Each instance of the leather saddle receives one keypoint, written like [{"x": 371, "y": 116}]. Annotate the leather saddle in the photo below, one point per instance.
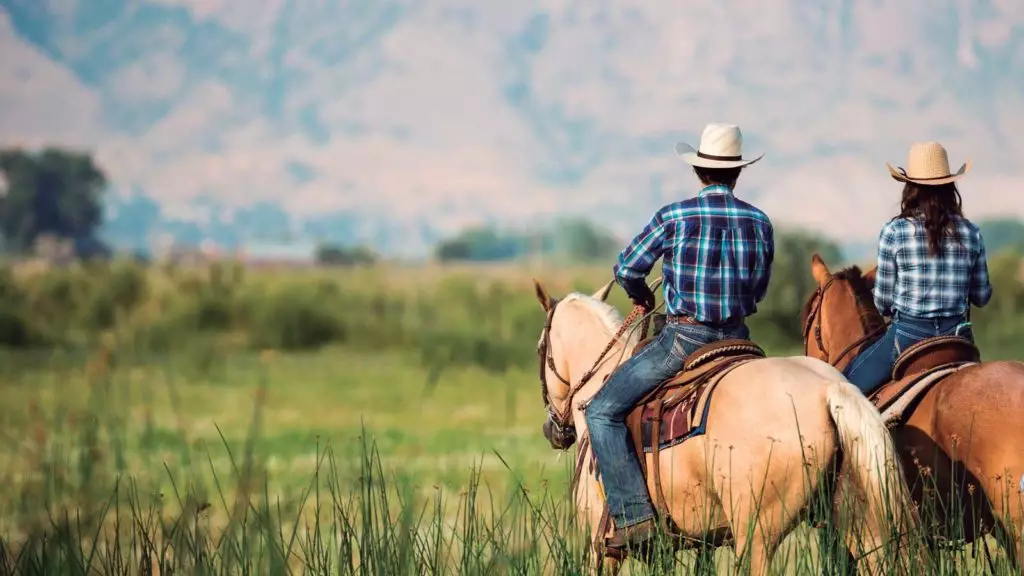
[{"x": 918, "y": 362}]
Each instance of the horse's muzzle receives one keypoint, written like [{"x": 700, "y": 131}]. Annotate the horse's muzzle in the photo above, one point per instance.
[{"x": 560, "y": 437}]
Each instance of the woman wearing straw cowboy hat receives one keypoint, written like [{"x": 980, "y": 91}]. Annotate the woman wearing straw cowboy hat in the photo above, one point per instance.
[
  {"x": 717, "y": 253},
  {"x": 931, "y": 265}
]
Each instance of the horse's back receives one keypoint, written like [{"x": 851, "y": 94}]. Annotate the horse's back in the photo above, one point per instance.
[
  {"x": 759, "y": 401},
  {"x": 986, "y": 398},
  {"x": 777, "y": 372},
  {"x": 773, "y": 398}
]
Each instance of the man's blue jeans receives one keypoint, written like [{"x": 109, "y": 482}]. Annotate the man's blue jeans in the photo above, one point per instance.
[
  {"x": 873, "y": 367},
  {"x": 625, "y": 490}
]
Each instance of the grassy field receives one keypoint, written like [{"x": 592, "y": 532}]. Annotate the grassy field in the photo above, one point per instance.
[
  {"x": 302, "y": 439},
  {"x": 380, "y": 449}
]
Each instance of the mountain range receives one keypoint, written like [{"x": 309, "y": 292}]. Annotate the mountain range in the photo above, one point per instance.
[{"x": 396, "y": 122}]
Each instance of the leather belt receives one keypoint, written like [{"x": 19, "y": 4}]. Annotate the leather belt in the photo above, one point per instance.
[
  {"x": 683, "y": 319},
  {"x": 674, "y": 319}
]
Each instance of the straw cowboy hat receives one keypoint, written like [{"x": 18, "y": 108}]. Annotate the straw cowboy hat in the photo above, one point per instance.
[
  {"x": 928, "y": 163},
  {"x": 721, "y": 146}
]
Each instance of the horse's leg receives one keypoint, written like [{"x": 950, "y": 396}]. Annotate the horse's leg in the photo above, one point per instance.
[
  {"x": 1008, "y": 514},
  {"x": 978, "y": 418},
  {"x": 606, "y": 566},
  {"x": 849, "y": 520},
  {"x": 755, "y": 545},
  {"x": 590, "y": 512},
  {"x": 705, "y": 563},
  {"x": 1010, "y": 543},
  {"x": 779, "y": 441},
  {"x": 760, "y": 526}
]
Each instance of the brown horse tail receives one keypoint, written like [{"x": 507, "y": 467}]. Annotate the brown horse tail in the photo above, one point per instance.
[{"x": 871, "y": 461}]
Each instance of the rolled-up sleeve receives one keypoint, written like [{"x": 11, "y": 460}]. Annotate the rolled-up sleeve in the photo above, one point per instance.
[
  {"x": 637, "y": 259},
  {"x": 885, "y": 276},
  {"x": 981, "y": 287}
]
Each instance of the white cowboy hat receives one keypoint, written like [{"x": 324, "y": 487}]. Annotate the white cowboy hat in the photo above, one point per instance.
[
  {"x": 928, "y": 163},
  {"x": 721, "y": 146}
]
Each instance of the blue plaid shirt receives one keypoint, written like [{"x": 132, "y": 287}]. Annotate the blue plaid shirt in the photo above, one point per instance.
[
  {"x": 914, "y": 283},
  {"x": 716, "y": 251}
]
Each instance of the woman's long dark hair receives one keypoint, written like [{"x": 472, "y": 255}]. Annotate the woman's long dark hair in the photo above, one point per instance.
[{"x": 937, "y": 206}]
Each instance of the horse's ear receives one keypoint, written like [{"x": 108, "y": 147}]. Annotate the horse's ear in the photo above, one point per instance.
[
  {"x": 819, "y": 270},
  {"x": 542, "y": 295},
  {"x": 602, "y": 294},
  {"x": 869, "y": 277}
]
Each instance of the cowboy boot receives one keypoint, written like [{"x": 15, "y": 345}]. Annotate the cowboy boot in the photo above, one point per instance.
[{"x": 633, "y": 536}]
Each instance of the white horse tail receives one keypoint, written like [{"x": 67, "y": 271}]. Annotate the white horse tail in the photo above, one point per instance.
[{"x": 869, "y": 456}]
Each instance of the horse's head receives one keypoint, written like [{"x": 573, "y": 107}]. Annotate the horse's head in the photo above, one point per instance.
[
  {"x": 840, "y": 315},
  {"x": 557, "y": 371}
]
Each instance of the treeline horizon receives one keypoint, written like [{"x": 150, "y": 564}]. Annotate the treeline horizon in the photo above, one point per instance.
[{"x": 55, "y": 197}]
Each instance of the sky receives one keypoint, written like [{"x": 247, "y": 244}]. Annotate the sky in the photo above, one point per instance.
[{"x": 401, "y": 121}]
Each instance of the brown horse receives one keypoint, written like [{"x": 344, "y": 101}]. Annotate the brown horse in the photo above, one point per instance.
[
  {"x": 960, "y": 433},
  {"x": 776, "y": 432}
]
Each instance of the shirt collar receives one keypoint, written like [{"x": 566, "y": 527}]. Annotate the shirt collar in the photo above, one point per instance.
[{"x": 716, "y": 189}]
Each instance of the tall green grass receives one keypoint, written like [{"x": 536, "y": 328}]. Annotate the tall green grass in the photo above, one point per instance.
[
  {"x": 382, "y": 526},
  {"x": 83, "y": 510}
]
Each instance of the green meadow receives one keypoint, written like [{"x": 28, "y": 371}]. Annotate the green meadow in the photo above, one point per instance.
[{"x": 375, "y": 420}]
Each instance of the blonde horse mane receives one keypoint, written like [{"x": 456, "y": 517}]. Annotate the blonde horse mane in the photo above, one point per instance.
[{"x": 609, "y": 316}]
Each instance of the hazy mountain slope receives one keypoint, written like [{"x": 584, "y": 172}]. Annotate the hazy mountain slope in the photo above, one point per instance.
[{"x": 397, "y": 121}]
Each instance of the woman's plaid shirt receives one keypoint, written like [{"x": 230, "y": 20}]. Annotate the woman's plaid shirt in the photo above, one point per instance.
[
  {"x": 914, "y": 283},
  {"x": 717, "y": 255}
]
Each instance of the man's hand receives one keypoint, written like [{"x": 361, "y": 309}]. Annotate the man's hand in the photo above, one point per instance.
[
  {"x": 646, "y": 300},
  {"x": 640, "y": 294}
]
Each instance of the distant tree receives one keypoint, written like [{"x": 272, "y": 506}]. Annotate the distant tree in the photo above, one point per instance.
[
  {"x": 481, "y": 244},
  {"x": 582, "y": 241},
  {"x": 329, "y": 255},
  {"x": 575, "y": 239},
  {"x": 453, "y": 249},
  {"x": 791, "y": 280},
  {"x": 55, "y": 192}
]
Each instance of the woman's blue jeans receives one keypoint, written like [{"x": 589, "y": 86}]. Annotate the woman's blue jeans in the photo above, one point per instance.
[{"x": 873, "y": 367}]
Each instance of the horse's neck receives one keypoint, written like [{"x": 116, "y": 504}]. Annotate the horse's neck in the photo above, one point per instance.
[
  {"x": 582, "y": 359},
  {"x": 610, "y": 362},
  {"x": 854, "y": 333}
]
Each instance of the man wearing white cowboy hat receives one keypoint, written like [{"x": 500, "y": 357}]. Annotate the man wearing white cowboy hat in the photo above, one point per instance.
[
  {"x": 931, "y": 265},
  {"x": 717, "y": 253}
]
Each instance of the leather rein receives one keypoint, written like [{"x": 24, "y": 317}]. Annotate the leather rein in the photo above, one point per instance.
[
  {"x": 563, "y": 418},
  {"x": 819, "y": 296}
]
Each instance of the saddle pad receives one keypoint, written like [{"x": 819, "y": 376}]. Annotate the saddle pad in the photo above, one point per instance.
[
  {"x": 898, "y": 403},
  {"x": 685, "y": 417}
]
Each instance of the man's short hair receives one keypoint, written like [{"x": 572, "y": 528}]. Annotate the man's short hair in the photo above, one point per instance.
[{"x": 722, "y": 176}]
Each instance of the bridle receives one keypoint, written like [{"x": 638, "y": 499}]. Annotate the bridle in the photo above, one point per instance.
[
  {"x": 562, "y": 419},
  {"x": 819, "y": 296}
]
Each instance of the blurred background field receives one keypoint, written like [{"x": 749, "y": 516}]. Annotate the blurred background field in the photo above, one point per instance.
[{"x": 202, "y": 381}]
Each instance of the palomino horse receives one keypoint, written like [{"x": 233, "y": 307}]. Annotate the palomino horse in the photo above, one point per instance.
[
  {"x": 959, "y": 425},
  {"x": 779, "y": 432}
]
